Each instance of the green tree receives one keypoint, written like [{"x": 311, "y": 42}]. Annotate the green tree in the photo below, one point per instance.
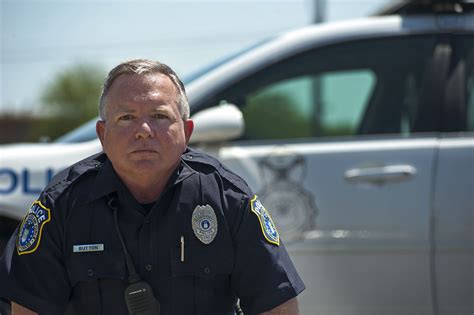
[
  {"x": 75, "y": 92},
  {"x": 272, "y": 116},
  {"x": 71, "y": 98}
]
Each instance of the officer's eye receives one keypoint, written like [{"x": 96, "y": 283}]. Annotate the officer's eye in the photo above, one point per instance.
[
  {"x": 125, "y": 117},
  {"x": 160, "y": 116}
]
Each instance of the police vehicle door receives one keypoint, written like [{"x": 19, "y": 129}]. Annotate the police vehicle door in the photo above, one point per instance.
[
  {"x": 332, "y": 149},
  {"x": 453, "y": 202}
]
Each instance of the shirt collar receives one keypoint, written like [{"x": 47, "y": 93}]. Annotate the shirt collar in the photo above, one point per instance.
[{"x": 107, "y": 181}]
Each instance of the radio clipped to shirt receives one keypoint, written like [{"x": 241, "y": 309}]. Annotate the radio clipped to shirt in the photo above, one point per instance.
[
  {"x": 139, "y": 295},
  {"x": 140, "y": 299}
]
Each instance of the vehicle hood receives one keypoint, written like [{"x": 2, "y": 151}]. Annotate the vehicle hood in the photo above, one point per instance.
[{"x": 54, "y": 154}]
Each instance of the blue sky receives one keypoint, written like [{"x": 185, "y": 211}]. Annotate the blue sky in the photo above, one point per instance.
[{"x": 40, "y": 38}]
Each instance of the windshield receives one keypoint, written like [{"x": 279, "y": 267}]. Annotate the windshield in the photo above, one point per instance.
[
  {"x": 206, "y": 69},
  {"x": 82, "y": 133},
  {"x": 87, "y": 132}
]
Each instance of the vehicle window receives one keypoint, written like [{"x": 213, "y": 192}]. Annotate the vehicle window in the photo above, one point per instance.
[
  {"x": 309, "y": 105},
  {"x": 470, "y": 102},
  {"x": 187, "y": 79},
  {"x": 83, "y": 133},
  {"x": 470, "y": 83},
  {"x": 366, "y": 87}
]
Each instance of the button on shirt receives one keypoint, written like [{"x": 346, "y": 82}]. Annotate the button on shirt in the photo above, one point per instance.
[{"x": 45, "y": 273}]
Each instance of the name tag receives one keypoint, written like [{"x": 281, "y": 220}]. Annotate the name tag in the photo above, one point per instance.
[{"x": 88, "y": 248}]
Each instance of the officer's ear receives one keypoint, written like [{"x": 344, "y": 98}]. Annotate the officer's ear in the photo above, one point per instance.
[
  {"x": 188, "y": 129},
  {"x": 100, "y": 130}
]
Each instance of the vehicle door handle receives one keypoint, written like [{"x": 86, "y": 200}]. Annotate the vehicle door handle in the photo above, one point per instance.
[{"x": 380, "y": 174}]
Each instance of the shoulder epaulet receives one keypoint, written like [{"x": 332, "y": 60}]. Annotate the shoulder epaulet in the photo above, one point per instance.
[
  {"x": 192, "y": 156},
  {"x": 68, "y": 176}
]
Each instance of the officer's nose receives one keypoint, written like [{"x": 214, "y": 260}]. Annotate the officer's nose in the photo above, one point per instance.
[{"x": 144, "y": 130}]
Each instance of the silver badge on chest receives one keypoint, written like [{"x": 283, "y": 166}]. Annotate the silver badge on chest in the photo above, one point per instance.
[{"x": 204, "y": 223}]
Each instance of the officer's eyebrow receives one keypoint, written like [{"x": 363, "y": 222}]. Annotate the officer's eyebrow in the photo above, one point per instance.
[
  {"x": 118, "y": 111},
  {"x": 124, "y": 109},
  {"x": 161, "y": 109}
]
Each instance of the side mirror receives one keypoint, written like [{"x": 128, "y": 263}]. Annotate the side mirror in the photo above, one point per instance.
[{"x": 219, "y": 123}]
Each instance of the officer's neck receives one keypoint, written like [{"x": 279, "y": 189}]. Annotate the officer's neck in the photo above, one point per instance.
[{"x": 146, "y": 188}]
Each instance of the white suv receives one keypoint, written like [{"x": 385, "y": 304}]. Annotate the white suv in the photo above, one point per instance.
[{"x": 357, "y": 136}]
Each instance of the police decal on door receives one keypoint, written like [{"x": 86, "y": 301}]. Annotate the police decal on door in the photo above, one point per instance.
[{"x": 291, "y": 206}]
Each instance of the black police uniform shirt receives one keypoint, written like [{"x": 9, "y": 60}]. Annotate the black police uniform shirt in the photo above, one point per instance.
[{"x": 66, "y": 256}]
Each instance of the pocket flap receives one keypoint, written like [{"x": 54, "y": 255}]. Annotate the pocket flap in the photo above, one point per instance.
[
  {"x": 93, "y": 266},
  {"x": 202, "y": 261}
]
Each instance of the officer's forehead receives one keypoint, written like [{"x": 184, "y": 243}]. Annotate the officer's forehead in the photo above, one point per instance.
[{"x": 130, "y": 88}]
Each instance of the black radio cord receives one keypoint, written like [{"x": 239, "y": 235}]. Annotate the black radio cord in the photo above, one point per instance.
[
  {"x": 132, "y": 273},
  {"x": 139, "y": 296}
]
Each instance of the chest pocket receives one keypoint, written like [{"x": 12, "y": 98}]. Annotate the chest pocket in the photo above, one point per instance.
[
  {"x": 203, "y": 279},
  {"x": 92, "y": 266},
  {"x": 97, "y": 280}
]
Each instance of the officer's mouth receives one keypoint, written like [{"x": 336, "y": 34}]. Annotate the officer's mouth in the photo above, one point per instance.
[{"x": 144, "y": 151}]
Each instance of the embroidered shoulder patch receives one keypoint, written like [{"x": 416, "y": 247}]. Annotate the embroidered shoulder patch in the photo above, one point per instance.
[
  {"x": 29, "y": 235},
  {"x": 266, "y": 223}
]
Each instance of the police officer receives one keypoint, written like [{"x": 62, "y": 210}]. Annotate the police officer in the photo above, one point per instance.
[{"x": 149, "y": 226}]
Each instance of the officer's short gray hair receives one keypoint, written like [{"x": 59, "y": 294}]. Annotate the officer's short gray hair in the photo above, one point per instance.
[{"x": 144, "y": 67}]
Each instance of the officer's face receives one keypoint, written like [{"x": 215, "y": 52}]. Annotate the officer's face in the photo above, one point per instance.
[{"x": 143, "y": 132}]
